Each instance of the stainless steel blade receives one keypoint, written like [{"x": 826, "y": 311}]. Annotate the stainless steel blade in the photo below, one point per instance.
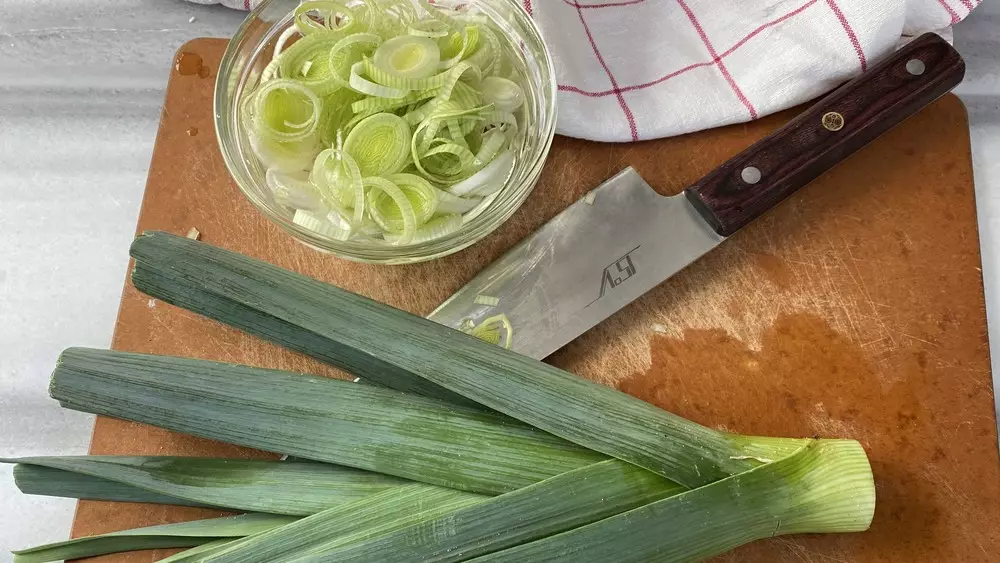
[{"x": 595, "y": 257}]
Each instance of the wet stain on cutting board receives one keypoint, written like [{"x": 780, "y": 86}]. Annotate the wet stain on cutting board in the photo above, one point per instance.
[
  {"x": 805, "y": 380},
  {"x": 862, "y": 247}
]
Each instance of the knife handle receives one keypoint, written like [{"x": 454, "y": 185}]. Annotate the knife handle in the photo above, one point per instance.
[{"x": 757, "y": 179}]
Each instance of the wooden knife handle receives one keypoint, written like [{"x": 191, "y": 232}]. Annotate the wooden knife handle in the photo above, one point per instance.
[{"x": 757, "y": 179}]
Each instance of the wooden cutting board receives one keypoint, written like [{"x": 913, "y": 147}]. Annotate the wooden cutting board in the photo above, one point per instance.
[{"x": 853, "y": 310}]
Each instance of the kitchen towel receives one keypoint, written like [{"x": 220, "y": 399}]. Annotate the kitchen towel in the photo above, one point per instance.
[{"x": 639, "y": 69}]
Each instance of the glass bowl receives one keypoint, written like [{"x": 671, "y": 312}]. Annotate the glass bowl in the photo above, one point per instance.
[{"x": 250, "y": 50}]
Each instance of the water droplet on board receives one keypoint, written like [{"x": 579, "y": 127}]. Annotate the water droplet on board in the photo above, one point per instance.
[
  {"x": 192, "y": 131},
  {"x": 188, "y": 63}
]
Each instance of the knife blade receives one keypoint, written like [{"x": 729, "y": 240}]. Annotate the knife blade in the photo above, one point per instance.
[{"x": 622, "y": 239}]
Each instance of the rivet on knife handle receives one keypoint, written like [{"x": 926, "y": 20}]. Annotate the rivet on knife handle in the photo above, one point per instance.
[{"x": 754, "y": 181}]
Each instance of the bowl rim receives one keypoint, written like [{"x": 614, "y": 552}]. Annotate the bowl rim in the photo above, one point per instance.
[{"x": 228, "y": 87}]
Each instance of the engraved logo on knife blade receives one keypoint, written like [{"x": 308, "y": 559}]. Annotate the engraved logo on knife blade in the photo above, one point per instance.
[{"x": 616, "y": 274}]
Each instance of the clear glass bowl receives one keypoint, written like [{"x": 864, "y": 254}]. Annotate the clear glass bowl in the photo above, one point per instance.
[{"x": 249, "y": 52}]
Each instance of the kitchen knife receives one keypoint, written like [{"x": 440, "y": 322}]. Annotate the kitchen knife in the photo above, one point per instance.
[{"x": 623, "y": 238}]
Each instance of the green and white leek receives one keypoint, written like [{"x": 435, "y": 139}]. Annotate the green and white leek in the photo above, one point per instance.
[
  {"x": 409, "y": 347},
  {"x": 825, "y": 486},
  {"x": 503, "y": 458}
]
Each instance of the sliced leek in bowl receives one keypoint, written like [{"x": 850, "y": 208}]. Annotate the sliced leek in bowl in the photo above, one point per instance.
[{"x": 322, "y": 108}]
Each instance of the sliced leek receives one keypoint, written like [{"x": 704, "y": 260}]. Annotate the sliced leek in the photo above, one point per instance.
[
  {"x": 422, "y": 195},
  {"x": 495, "y": 330},
  {"x": 408, "y": 57},
  {"x": 437, "y": 227},
  {"x": 444, "y": 161},
  {"x": 296, "y": 191},
  {"x": 489, "y": 300},
  {"x": 401, "y": 85},
  {"x": 362, "y": 84},
  {"x": 459, "y": 45},
  {"x": 349, "y": 51},
  {"x": 330, "y": 16},
  {"x": 380, "y": 144},
  {"x": 489, "y": 51},
  {"x": 490, "y": 144},
  {"x": 450, "y": 203},
  {"x": 279, "y": 44},
  {"x": 320, "y": 224},
  {"x": 488, "y": 180},
  {"x": 505, "y": 95},
  {"x": 390, "y": 208},
  {"x": 367, "y": 106},
  {"x": 286, "y": 110},
  {"x": 429, "y": 28},
  {"x": 293, "y": 156},
  {"x": 308, "y": 62},
  {"x": 338, "y": 176},
  {"x": 337, "y": 114}
]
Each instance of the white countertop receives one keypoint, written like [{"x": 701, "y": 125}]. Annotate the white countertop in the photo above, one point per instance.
[{"x": 81, "y": 86}]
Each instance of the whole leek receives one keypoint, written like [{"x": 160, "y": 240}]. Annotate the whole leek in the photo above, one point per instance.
[{"x": 503, "y": 458}]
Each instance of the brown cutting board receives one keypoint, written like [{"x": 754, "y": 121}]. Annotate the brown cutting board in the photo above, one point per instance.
[{"x": 853, "y": 310}]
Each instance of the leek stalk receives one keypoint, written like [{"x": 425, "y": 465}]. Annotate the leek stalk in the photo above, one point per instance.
[
  {"x": 346, "y": 525},
  {"x": 558, "y": 504},
  {"x": 39, "y": 480},
  {"x": 824, "y": 487},
  {"x": 297, "y": 488},
  {"x": 526, "y": 389},
  {"x": 184, "y": 534},
  {"x": 522, "y": 476},
  {"x": 316, "y": 418}
]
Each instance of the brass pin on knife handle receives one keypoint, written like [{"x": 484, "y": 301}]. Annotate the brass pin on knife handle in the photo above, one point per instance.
[{"x": 850, "y": 117}]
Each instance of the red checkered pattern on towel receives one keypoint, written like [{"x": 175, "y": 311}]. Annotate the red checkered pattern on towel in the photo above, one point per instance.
[{"x": 639, "y": 69}]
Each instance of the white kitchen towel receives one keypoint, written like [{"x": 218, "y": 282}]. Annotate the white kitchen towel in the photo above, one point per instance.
[{"x": 640, "y": 69}]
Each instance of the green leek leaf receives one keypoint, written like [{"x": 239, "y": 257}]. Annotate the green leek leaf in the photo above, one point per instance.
[
  {"x": 195, "y": 297},
  {"x": 346, "y": 525},
  {"x": 278, "y": 487},
  {"x": 555, "y": 505},
  {"x": 316, "y": 418},
  {"x": 184, "y": 534},
  {"x": 38, "y": 480},
  {"x": 825, "y": 487},
  {"x": 198, "y": 553},
  {"x": 532, "y": 391}
]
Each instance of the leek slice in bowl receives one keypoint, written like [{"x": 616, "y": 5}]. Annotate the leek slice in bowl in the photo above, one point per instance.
[{"x": 530, "y": 127}]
